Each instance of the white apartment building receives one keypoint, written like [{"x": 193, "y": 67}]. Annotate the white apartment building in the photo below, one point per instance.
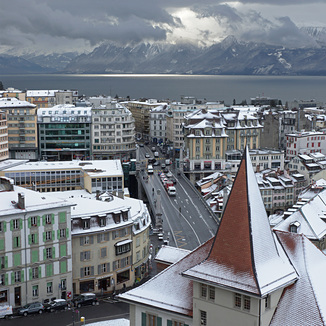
[
  {"x": 305, "y": 142},
  {"x": 157, "y": 124},
  {"x": 113, "y": 132}
]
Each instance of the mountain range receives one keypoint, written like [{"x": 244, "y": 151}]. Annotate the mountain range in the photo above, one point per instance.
[{"x": 229, "y": 57}]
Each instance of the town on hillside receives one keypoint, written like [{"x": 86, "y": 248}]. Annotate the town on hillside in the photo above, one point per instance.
[{"x": 192, "y": 212}]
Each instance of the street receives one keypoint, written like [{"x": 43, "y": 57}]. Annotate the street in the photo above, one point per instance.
[{"x": 104, "y": 311}]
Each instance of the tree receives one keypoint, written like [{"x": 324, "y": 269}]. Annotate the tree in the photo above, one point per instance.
[{"x": 1, "y": 86}]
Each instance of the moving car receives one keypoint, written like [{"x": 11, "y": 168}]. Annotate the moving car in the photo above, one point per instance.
[
  {"x": 31, "y": 308},
  {"x": 147, "y": 155},
  {"x": 86, "y": 299},
  {"x": 57, "y": 304}
]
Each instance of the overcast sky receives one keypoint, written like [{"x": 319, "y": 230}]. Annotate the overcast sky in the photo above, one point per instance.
[{"x": 79, "y": 25}]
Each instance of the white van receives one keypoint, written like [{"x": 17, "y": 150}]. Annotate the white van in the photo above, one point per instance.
[{"x": 150, "y": 169}]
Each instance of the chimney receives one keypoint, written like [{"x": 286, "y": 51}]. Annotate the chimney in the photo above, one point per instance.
[
  {"x": 97, "y": 195},
  {"x": 21, "y": 200},
  {"x": 121, "y": 194}
]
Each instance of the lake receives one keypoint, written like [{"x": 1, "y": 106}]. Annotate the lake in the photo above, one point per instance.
[{"x": 163, "y": 87}]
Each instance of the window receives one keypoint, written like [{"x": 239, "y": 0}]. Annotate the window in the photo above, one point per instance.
[
  {"x": 121, "y": 249},
  {"x": 103, "y": 252},
  {"x": 203, "y": 318},
  {"x": 203, "y": 291},
  {"x": 63, "y": 284},
  {"x": 35, "y": 273},
  {"x": 48, "y": 235},
  {"x": 85, "y": 255},
  {"x": 35, "y": 290},
  {"x": 102, "y": 221},
  {"x": 211, "y": 293},
  {"x": 237, "y": 300},
  {"x": 17, "y": 276},
  {"x": 48, "y": 219},
  {"x": 15, "y": 224},
  {"x": 34, "y": 238},
  {"x": 16, "y": 242},
  {"x": 86, "y": 224},
  {"x": 34, "y": 221},
  {"x": 62, "y": 233},
  {"x": 49, "y": 287},
  {"x": 48, "y": 253},
  {"x": 246, "y": 303}
]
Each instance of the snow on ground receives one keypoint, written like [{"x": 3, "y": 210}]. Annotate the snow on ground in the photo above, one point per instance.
[{"x": 115, "y": 322}]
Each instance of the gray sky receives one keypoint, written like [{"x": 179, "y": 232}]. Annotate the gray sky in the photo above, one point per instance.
[{"x": 79, "y": 25}]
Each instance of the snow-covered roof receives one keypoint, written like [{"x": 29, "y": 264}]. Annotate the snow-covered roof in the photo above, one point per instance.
[
  {"x": 168, "y": 290},
  {"x": 257, "y": 264},
  {"x": 86, "y": 205},
  {"x": 34, "y": 201},
  {"x": 92, "y": 168},
  {"x": 41, "y": 93},
  {"x": 310, "y": 218},
  {"x": 170, "y": 255},
  {"x": 12, "y": 102},
  {"x": 304, "y": 302}
]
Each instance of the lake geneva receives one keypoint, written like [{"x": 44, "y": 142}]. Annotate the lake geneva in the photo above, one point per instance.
[{"x": 163, "y": 87}]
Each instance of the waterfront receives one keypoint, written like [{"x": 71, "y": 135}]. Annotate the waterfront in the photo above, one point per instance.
[{"x": 162, "y": 87}]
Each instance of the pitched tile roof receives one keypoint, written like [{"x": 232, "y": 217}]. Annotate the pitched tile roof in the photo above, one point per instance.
[{"x": 244, "y": 255}]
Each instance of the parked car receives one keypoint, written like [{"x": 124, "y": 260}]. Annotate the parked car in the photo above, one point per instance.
[
  {"x": 141, "y": 145},
  {"x": 86, "y": 299},
  {"x": 31, "y": 308},
  {"x": 57, "y": 304}
]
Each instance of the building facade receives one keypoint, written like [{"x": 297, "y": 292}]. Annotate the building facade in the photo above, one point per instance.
[
  {"x": 98, "y": 175},
  {"x": 113, "y": 132},
  {"x": 22, "y": 128},
  {"x": 4, "y": 147},
  {"x": 64, "y": 133},
  {"x": 35, "y": 246}
]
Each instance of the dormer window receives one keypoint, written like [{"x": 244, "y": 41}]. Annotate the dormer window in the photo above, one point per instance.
[
  {"x": 294, "y": 227},
  {"x": 86, "y": 224},
  {"x": 102, "y": 221}
]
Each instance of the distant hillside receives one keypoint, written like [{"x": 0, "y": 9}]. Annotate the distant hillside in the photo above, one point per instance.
[{"x": 230, "y": 57}]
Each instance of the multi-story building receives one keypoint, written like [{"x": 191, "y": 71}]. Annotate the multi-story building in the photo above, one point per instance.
[
  {"x": 4, "y": 150},
  {"x": 210, "y": 134},
  {"x": 158, "y": 124},
  {"x": 49, "y": 98},
  {"x": 35, "y": 246},
  {"x": 64, "y": 132},
  {"x": 113, "y": 132},
  {"x": 102, "y": 175},
  {"x": 22, "y": 128},
  {"x": 110, "y": 241},
  {"x": 305, "y": 142},
  {"x": 278, "y": 124},
  {"x": 12, "y": 92},
  {"x": 176, "y": 118},
  {"x": 141, "y": 113}
]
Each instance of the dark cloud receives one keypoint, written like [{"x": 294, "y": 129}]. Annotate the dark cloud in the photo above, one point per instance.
[{"x": 45, "y": 24}]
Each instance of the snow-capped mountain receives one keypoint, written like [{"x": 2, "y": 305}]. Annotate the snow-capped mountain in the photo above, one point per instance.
[{"x": 228, "y": 57}]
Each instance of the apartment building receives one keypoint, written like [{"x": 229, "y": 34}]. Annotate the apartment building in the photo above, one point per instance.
[
  {"x": 158, "y": 124},
  {"x": 22, "y": 128},
  {"x": 50, "y": 98},
  {"x": 110, "y": 241},
  {"x": 304, "y": 142},
  {"x": 113, "y": 132},
  {"x": 140, "y": 111},
  {"x": 64, "y": 132},
  {"x": 35, "y": 246},
  {"x": 4, "y": 148}
]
